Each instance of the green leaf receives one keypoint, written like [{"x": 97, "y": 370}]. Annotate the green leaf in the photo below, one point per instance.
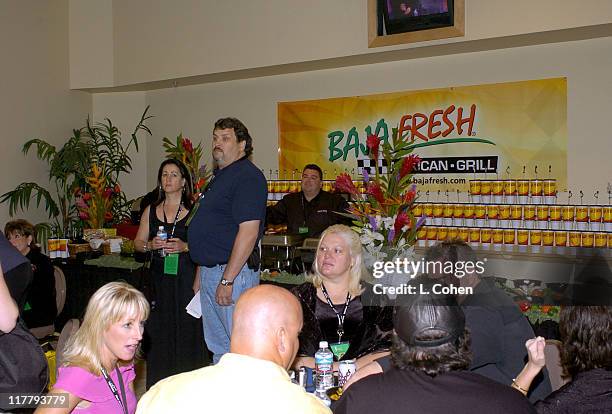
[
  {"x": 44, "y": 150},
  {"x": 20, "y": 197}
]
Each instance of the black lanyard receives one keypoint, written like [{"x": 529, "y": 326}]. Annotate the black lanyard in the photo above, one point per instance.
[
  {"x": 175, "y": 217},
  {"x": 340, "y": 317},
  {"x": 113, "y": 388}
]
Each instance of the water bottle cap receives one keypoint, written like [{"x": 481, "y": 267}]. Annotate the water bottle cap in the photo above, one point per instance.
[
  {"x": 323, "y": 344},
  {"x": 161, "y": 228}
]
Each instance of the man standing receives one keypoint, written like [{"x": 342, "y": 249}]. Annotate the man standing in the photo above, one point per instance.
[
  {"x": 225, "y": 229},
  {"x": 310, "y": 211},
  {"x": 253, "y": 377}
]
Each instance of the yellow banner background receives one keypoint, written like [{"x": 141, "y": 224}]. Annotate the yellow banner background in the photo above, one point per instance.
[{"x": 526, "y": 120}]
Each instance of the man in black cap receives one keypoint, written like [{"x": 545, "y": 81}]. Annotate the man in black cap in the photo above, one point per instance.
[
  {"x": 430, "y": 374},
  {"x": 497, "y": 327}
]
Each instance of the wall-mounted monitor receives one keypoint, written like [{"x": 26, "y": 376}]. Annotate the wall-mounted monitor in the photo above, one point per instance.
[
  {"x": 401, "y": 16},
  {"x": 408, "y": 21}
]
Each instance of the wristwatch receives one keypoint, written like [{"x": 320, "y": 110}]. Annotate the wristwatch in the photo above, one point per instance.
[{"x": 226, "y": 282}]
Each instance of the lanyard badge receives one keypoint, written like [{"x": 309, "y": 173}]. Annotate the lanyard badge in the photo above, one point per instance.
[{"x": 340, "y": 316}]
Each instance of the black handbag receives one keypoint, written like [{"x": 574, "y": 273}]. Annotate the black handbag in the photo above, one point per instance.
[{"x": 23, "y": 365}]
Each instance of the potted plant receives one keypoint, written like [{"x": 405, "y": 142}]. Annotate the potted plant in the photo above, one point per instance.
[{"x": 70, "y": 167}]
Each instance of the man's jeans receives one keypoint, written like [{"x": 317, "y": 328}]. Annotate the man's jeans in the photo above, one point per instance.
[{"x": 216, "y": 319}]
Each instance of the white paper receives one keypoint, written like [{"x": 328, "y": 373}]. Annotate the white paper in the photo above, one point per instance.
[
  {"x": 194, "y": 308},
  {"x": 115, "y": 245}
]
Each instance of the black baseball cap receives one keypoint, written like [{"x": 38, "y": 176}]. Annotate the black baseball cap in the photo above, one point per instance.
[{"x": 419, "y": 314}]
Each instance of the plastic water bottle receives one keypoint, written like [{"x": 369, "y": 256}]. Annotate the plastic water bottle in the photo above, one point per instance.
[
  {"x": 161, "y": 233},
  {"x": 322, "y": 395},
  {"x": 324, "y": 365}
]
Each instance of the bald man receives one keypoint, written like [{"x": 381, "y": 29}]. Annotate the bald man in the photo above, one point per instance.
[{"x": 252, "y": 377}]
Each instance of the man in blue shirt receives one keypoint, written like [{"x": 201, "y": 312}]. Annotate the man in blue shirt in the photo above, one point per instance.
[{"x": 225, "y": 230}]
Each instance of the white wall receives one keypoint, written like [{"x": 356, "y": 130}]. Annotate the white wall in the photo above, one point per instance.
[
  {"x": 91, "y": 43},
  {"x": 160, "y": 39},
  {"x": 587, "y": 65},
  {"x": 36, "y": 101}
]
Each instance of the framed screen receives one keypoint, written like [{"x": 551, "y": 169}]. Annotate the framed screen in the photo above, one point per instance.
[
  {"x": 406, "y": 21},
  {"x": 401, "y": 16}
]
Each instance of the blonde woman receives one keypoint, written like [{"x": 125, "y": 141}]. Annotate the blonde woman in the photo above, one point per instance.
[
  {"x": 98, "y": 369},
  {"x": 339, "y": 307}
]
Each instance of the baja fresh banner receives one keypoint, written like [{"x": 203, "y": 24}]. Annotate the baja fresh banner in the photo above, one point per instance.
[{"x": 502, "y": 130}]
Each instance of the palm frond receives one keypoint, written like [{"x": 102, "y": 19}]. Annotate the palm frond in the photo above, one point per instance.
[{"x": 20, "y": 197}]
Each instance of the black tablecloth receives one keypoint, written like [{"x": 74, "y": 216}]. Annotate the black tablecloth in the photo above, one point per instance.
[{"x": 83, "y": 280}]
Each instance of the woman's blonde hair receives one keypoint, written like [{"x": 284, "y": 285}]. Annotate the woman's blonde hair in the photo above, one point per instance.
[
  {"x": 108, "y": 305},
  {"x": 357, "y": 270}
]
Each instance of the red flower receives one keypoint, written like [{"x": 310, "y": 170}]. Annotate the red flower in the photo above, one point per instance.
[
  {"x": 83, "y": 215},
  {"x": 524, "y": 305},
  {"x": 108, "y": 216},
  {"x": 117, "y": 188},
  {"x": 200, "y": 183},
  {"x": 375, "y": 191},
  {"x": 108, "y": 192},
  {"x": 187, "y": 145},
  {"x": 408, "y": 164},
  {"x": 410, "y": 195},
  {"x": 87, "y": 196},
  {"x": 373, "y": 143},
  {"x": 401, "y": 220},
  {"x": 344, "y": 184}
]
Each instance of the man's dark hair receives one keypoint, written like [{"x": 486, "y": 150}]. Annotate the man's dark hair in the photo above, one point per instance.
[
  {"x": 313, "y": 167},
  {"x": 451, "y": 356},
  {"x": 586, "y": 335},
  {"x": 241, "y": 131},
  {"x": 452, "y": 251}
]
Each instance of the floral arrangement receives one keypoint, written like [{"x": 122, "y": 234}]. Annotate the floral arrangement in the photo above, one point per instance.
[
  {"x": 95, "y": 206},
  {"x": 184, "y": 150},
  {"x": 383, "y": 216},
  {"x": 539, "y": 313}
]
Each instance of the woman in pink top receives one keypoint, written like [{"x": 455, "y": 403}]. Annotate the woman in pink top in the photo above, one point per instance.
[{"x": 98, "y": 369}]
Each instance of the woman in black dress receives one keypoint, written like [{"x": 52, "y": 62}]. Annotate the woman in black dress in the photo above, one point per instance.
[
  {"x": 340, "y": 308},
  {"x": 175, "y": 338}
]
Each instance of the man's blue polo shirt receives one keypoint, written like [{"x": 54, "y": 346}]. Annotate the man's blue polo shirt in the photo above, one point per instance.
[{"x": 238, "y": 193}]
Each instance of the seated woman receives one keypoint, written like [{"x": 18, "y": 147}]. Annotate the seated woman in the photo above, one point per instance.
[
  {"x": 586, "y": 357},
  {"x": 338, "y": 307},
  {"x": 40, "y": 305},
  {"x": 98, "y": 369}
]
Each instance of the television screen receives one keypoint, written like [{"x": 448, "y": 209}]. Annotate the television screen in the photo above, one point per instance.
[{"x": 401, "y": 16}]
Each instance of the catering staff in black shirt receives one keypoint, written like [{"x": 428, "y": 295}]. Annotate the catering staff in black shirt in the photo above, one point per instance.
[{"x": 311, "y": 210}]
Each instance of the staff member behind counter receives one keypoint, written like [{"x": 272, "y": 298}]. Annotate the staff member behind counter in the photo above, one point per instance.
[{"x": 310, "y": 211}]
